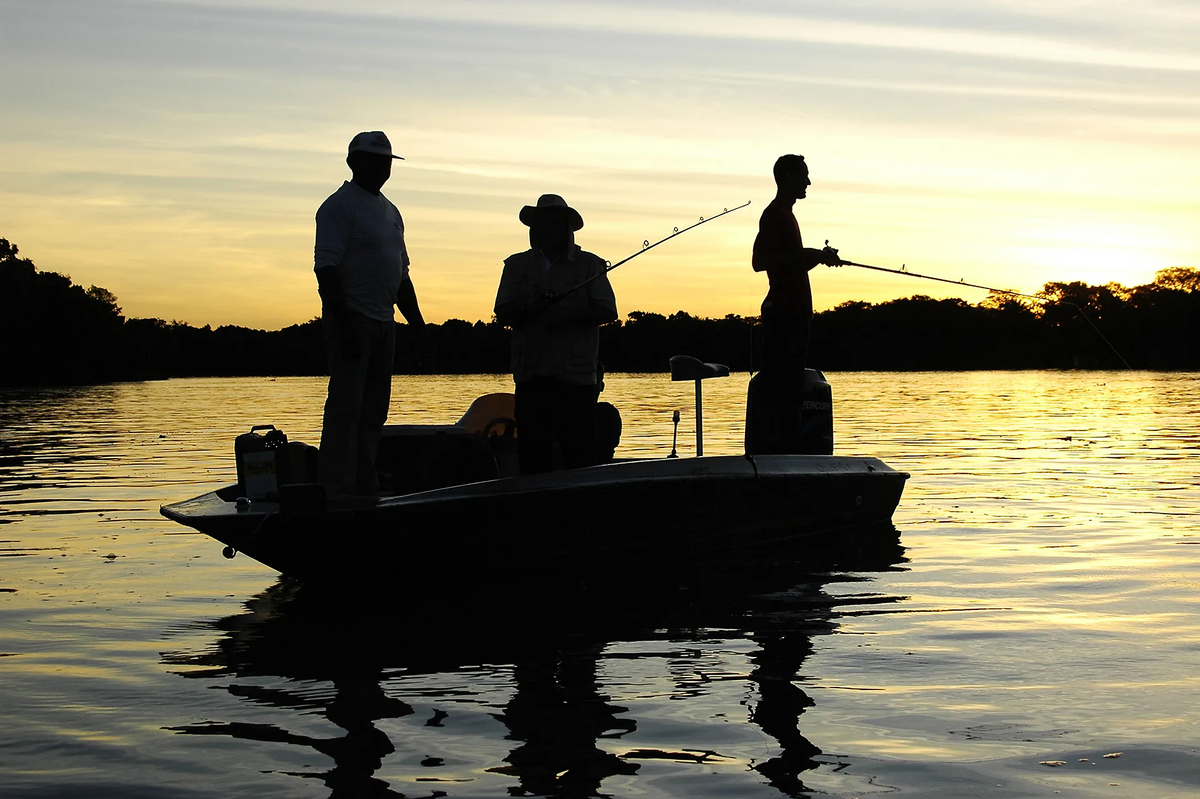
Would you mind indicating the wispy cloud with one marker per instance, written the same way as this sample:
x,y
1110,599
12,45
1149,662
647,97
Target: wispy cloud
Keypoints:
x,y
1048,34
175,151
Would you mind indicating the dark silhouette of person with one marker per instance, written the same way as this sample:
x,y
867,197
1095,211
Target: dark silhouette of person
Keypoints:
x,y
555,321
564,731
780,252
608,422
306,637
557,713
780,703
362,269
775,402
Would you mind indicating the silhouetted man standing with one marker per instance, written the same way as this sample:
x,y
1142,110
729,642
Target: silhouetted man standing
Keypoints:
x,y
774,404
780,252
361,264
556,338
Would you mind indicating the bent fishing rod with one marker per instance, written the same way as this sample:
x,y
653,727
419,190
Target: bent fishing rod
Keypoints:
x,y
903,270
647,246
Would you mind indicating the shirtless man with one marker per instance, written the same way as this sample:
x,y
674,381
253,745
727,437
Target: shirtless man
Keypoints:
x,y
774,405
780,252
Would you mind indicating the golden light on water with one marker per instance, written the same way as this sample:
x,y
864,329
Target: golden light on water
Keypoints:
x,y
1044,610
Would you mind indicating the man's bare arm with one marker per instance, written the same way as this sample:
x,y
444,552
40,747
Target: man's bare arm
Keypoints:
x,y
329,286
805,258
406,301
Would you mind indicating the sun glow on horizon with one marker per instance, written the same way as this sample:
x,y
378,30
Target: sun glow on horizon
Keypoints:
x,y
175,153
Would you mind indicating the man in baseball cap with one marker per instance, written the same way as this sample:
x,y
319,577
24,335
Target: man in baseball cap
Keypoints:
x,y
371,141
361,263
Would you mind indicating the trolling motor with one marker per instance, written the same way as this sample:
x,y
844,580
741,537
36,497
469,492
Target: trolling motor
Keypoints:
x,y
674,435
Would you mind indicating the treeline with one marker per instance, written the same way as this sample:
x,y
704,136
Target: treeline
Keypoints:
x,y
53,331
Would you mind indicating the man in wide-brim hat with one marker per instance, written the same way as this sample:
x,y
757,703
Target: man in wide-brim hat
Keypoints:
x,y
551,205
554,296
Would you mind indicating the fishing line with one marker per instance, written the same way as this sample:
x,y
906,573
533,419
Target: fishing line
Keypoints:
x,y
903,270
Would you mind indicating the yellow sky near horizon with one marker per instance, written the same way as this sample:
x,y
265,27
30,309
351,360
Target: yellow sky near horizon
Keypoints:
x,y
175,152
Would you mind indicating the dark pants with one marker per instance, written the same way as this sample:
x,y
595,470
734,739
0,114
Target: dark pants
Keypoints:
x,y
360,391
785,345
551,412
774,401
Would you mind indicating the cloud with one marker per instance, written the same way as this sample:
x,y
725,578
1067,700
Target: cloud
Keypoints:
x,y
174,152
1047,36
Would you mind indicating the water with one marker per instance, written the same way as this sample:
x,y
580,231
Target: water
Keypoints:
x,y
1045,612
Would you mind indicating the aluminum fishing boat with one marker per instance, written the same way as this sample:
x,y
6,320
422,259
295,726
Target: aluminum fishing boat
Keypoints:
x,y
454,504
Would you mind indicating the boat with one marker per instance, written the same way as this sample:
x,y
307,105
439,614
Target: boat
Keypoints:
x,y
454,503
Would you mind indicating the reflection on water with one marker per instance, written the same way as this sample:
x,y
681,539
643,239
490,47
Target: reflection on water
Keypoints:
x,y
350,658
1048,612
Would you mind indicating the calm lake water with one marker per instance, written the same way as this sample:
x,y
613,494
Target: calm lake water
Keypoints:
x,y
1045,610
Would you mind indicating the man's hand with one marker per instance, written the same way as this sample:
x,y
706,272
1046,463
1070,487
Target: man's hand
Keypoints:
x,y
329,286
347,342
333,307
540,303
829,256
533,308
530,308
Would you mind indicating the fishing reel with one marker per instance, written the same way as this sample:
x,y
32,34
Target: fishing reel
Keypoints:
x,y
541,302
829,255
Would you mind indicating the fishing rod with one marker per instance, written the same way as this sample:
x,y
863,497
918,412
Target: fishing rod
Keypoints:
x,y
903,270
647,246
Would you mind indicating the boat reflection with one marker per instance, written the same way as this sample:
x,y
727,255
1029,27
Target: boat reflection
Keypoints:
x,y
322,653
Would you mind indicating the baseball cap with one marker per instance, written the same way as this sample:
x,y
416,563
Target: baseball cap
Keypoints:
x,y
372,141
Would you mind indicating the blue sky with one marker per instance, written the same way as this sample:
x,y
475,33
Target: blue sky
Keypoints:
x,y
175,152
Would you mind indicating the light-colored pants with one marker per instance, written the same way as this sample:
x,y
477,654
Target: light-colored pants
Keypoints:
x,y
360,390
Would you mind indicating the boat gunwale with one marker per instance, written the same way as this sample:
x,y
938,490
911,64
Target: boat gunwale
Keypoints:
x,y
596,477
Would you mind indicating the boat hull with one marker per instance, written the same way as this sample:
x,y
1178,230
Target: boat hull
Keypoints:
x,y
633,514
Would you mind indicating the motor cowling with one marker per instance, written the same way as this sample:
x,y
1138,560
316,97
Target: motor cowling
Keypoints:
x,y
786,416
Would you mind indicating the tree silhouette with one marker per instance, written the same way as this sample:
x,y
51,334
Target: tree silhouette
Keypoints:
x,y
53,331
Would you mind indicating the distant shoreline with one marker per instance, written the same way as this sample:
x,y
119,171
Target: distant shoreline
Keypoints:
x,y
8,388
54,332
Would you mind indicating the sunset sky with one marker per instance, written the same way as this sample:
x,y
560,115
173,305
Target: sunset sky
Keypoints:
x,y
175,152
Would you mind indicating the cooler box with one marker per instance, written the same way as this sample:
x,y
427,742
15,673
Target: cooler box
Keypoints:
x,y
266,460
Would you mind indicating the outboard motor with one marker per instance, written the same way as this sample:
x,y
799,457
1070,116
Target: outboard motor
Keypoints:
x,y
785,419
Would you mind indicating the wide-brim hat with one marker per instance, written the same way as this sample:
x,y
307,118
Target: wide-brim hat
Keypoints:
x,y
530,213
